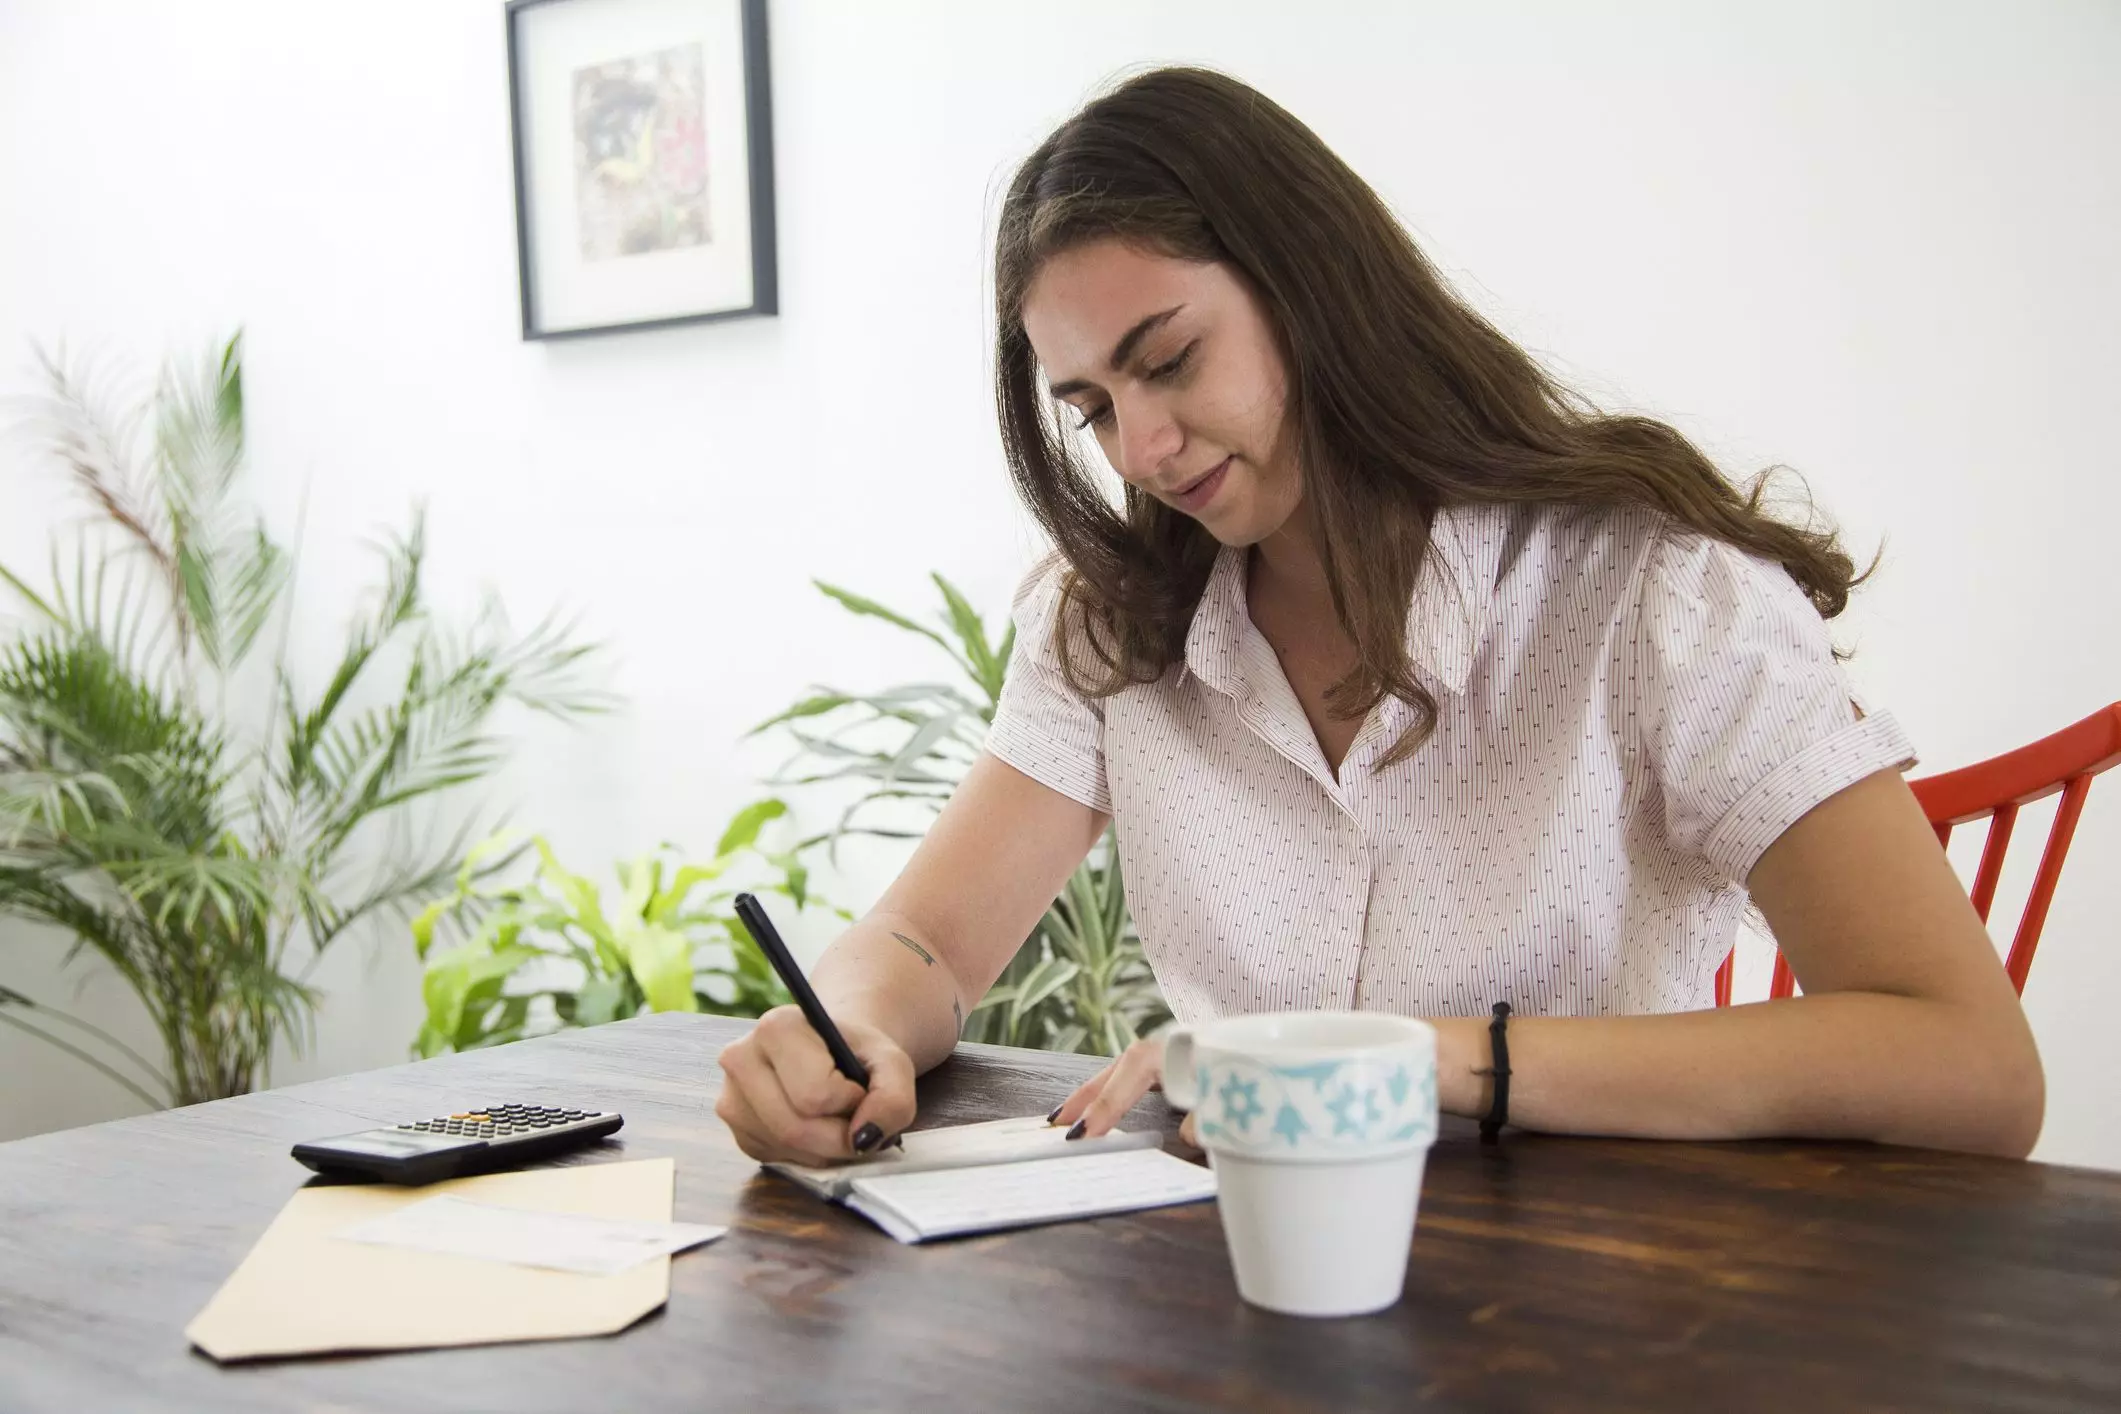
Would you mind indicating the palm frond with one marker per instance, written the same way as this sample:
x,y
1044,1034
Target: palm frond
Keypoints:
x,y
123,1081
50,804
397,606
199,437
404,882
32,597
100,452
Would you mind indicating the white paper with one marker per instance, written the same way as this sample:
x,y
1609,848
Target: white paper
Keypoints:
x,y
998,1141
567,1242
914,1207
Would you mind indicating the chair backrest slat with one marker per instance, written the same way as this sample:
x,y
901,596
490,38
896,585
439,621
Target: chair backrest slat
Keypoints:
x,y
2034,919
1999,840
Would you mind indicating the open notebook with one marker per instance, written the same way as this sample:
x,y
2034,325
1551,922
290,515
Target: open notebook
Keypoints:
x,y
1005,1173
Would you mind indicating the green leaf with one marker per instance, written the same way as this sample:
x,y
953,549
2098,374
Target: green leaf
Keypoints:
x,y
743,831
971,631
670,903
1047,978
795,877
228,399
452,979
917,748
809,707
661,961
256,576
506,1027
637,882
855,603
36,601
598,1000
423,925
492,847
579,893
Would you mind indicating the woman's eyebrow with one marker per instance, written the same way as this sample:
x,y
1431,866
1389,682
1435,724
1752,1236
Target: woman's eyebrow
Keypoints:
x,y
1121,351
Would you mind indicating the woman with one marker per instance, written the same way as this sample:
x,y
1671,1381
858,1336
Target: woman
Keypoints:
x,y
1410,684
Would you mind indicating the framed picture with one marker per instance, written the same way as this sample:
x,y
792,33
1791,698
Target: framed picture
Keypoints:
x,y
643,163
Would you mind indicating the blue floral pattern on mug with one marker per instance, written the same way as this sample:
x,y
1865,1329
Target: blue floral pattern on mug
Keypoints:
x,y
1334,1108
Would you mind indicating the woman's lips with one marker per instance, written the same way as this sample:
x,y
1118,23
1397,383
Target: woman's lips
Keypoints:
x,y
1193,498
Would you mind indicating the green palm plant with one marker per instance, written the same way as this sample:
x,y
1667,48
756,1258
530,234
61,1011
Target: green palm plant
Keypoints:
x,y
1080,982
177,799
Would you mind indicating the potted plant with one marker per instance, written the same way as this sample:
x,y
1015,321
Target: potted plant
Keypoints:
x,y
551,952
1080,982
173,793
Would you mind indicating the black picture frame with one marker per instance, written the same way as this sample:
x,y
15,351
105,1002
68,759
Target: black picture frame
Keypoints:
x,y
758,116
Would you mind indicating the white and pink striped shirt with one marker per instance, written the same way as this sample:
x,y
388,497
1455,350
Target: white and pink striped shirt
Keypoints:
x,y
1628,714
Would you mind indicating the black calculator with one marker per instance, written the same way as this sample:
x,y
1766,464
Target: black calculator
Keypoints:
x,y
470,1141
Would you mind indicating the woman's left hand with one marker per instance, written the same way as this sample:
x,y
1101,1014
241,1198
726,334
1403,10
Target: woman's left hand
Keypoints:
x,y
1102,1100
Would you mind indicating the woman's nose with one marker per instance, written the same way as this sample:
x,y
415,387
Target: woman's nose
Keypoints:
x,y
1148,438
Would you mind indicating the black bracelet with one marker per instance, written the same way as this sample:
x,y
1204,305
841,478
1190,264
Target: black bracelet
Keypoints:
x,y
1499,1112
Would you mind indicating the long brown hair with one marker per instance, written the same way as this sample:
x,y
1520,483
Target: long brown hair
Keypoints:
x,y
1402,400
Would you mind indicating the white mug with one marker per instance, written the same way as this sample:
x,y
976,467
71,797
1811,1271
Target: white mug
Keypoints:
x,y
1318,1124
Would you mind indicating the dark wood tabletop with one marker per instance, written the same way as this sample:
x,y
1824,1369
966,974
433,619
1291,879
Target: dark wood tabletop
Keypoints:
x,y
1547,1274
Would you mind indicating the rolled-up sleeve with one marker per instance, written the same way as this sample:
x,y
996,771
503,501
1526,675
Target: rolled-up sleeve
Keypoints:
x,y
1747,718
1043,727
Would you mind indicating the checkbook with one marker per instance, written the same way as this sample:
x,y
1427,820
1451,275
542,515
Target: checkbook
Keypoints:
x,y
1005,1173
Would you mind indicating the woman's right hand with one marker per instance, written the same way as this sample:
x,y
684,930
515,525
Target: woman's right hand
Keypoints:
x,y
786,1102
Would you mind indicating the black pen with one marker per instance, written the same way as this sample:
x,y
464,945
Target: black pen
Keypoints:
x,y
769,941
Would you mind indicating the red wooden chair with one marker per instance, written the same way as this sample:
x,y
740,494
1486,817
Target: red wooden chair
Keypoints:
x,y
1993,790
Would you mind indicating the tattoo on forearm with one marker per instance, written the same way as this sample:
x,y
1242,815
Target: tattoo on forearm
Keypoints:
x,y
918,951
957,1014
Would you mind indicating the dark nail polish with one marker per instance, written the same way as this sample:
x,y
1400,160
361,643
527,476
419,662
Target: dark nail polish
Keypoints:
x,y
1054,1113
1080,1126
898,1141
867,1137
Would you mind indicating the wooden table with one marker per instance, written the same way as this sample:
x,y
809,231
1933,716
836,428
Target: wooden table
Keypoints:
x,y
1548,1274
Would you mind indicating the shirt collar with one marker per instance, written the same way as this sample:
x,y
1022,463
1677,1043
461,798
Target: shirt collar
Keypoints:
x,y
1454,599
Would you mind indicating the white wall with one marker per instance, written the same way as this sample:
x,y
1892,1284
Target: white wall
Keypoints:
x,y
1871,241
